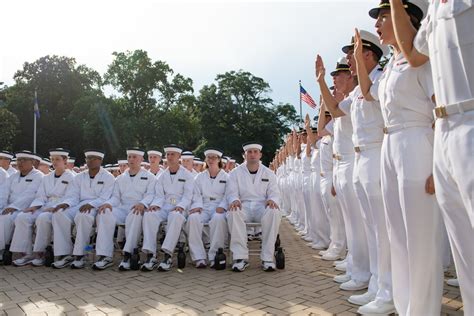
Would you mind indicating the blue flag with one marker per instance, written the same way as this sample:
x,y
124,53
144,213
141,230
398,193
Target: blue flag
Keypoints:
x,y
36,107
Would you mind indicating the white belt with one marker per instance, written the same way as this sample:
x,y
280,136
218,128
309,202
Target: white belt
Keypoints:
x,y
455,108
360,148
397,127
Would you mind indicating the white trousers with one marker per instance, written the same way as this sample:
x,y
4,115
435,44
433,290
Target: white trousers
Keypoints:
x,y
309,205
369,193
62,222
84,226
44,231
151,224
7,225
106,223
334,214
175,225
454,182
318,219
133,231
355,230
218,233
22,240
413,220
253,212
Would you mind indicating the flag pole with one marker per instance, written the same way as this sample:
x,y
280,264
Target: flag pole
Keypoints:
x,y
34,124
301,107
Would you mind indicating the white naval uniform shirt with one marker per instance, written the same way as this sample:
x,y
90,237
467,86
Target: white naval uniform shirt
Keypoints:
x,y
343,144
22,190
52,189
259,189
325,155
405,93
11,170
3,188
85,190
366,116
174,190
209,193
129,191
447,37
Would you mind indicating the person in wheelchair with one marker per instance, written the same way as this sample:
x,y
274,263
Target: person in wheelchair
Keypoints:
x,y
133,192
173,195
253,196
209,206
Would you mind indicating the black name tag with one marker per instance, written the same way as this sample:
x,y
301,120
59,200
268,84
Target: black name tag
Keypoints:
x,y
143,178
28,180
65,182
182,180
265,180
222,181
100,182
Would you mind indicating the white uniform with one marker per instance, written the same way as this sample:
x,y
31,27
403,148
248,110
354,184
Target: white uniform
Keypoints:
x,y
83,190
128,191
171,190
3,188
209,194
413,219
253,191
11,170
367,122
308,197
446,36
51,190
318,219
331,203
358,261
20,193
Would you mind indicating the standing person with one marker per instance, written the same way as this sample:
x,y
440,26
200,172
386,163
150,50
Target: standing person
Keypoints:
x,y
253,196
358,268
133,192
20,191
52,189
209,206
173,195
445,37
413,219
89,190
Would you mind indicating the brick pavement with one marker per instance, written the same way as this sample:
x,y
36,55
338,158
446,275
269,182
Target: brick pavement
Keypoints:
x,y
305,287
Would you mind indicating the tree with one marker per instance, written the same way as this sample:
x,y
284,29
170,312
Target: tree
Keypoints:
x,y
9,127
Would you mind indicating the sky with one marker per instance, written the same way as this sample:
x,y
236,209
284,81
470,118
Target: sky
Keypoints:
x,y
274,40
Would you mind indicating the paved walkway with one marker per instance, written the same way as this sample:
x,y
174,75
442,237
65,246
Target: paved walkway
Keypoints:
x,y
305,287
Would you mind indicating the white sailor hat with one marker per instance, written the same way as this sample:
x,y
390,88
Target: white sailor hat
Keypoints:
x,y
59,152
187,155
252,145
114,167
145,163
224,159
154,152
173,148
213,151
122,161
198,161
341,65
46,161
27,154
6,154
135,151
71,160
231,159
94,153
415,8
370,41
108,167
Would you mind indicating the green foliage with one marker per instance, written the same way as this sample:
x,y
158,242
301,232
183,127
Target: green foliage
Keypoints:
x,y
154,106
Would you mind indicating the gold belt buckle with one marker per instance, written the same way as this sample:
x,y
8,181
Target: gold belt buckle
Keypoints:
x,y
321,174
385,130
357,149
173,201
440,112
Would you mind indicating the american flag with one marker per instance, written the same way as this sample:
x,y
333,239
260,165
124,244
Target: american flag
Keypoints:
x,y
306,98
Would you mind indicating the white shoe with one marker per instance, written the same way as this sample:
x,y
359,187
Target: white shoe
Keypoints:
x,y
343,278
268,266
307,238
332,256
166,264
240,265
341,267
323,252
453,282
65,261
38,262
79,263
211,264
124,265
201,264
150,264
377,308
338,262
353,285
361,299
319,246
23,261
103,263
